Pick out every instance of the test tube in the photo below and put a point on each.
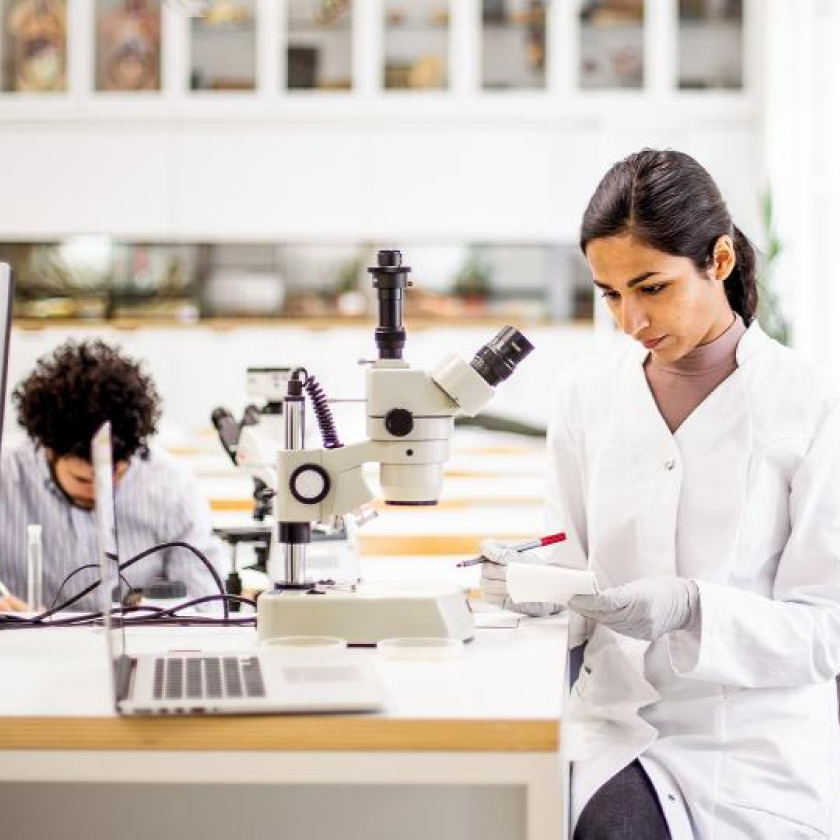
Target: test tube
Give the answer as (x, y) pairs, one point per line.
(35, 568)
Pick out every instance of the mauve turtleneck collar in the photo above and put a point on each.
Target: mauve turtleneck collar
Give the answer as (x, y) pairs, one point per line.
(706, 357)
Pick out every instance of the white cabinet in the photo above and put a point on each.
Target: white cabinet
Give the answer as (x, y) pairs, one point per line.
(278, 127)
(271, 52)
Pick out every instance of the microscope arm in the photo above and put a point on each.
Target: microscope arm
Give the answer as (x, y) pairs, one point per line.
(329, 482)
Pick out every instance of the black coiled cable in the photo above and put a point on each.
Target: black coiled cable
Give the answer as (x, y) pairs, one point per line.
(323, 412)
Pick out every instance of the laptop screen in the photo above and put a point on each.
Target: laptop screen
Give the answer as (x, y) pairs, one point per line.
(106, 527)
(5, 332)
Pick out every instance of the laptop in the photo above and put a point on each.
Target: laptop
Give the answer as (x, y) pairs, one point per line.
(5, 332)
(264, 680)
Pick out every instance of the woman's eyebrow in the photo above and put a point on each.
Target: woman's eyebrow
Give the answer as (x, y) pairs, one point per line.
(630, 283)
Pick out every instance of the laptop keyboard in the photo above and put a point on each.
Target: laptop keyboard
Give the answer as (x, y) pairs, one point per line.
(207, 677)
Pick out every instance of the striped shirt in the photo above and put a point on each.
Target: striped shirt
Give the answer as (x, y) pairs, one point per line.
(156, 502)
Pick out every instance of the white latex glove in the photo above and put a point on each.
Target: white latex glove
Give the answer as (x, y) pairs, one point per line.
(644, 609)
(494, 580)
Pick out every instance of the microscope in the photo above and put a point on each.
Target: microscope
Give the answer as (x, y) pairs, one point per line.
(410, 420)
(252, 443)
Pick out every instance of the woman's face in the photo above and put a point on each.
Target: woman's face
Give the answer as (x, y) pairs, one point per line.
(659, 299)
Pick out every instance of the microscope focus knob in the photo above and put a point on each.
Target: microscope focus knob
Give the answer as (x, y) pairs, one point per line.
(399, 422)
(309, 484)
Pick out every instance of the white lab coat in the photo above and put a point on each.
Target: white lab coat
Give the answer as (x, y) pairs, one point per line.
(736, 722)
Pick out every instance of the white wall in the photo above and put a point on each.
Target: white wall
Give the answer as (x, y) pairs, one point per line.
(802, 136)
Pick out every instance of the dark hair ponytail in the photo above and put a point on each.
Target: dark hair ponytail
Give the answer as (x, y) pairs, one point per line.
(741, 286)
(668, 201)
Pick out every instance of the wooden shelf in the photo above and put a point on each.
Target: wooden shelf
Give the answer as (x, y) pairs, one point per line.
(326, 322)
(246, 504)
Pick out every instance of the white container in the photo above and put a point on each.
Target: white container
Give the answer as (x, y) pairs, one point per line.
(35, 568)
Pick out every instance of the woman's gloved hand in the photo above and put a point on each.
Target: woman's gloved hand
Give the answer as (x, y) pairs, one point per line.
(494, 572)
(494, 580)
(644, 609)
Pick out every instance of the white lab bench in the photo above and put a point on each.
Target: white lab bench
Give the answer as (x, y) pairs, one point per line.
(468, 748)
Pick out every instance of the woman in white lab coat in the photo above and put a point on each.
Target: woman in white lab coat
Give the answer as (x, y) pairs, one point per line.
(698, 474)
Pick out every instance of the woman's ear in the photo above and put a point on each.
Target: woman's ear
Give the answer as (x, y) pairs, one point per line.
(723, 257)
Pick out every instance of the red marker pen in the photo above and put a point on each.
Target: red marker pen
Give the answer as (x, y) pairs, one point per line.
(526, 546)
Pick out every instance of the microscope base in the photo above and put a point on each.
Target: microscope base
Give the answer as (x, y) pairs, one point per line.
(367, 615)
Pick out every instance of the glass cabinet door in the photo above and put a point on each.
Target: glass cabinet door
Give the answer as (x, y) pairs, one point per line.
(416, 44)
(224, 46)
(34, 46)
(319, 49)
(513, 44)
(127, 45)
(711, 49)
(612, 44)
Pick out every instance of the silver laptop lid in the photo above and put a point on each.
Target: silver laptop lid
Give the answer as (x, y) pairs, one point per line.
(106, 532)
(5, 332)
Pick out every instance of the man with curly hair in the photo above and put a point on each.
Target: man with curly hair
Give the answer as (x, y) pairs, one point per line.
(48, 478)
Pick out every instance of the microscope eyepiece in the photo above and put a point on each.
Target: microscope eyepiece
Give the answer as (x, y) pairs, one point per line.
(389, 259)
(498, 359)
(390, 278)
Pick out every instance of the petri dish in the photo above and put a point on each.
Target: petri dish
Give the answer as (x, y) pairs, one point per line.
(421, 648)
(305, 642)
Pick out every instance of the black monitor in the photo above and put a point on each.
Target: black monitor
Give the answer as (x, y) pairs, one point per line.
(5, 332)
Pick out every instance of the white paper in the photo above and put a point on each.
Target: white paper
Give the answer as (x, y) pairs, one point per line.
(549, 584)
(499, 619)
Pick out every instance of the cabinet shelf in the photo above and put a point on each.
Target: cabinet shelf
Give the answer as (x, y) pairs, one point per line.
(271, 37)
(417, 27)
(308, 26)
(281, 322)
(223, 28)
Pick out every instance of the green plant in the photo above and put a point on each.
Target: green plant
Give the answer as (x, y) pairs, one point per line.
(770, 314)
(348, 275)
(473, 279)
